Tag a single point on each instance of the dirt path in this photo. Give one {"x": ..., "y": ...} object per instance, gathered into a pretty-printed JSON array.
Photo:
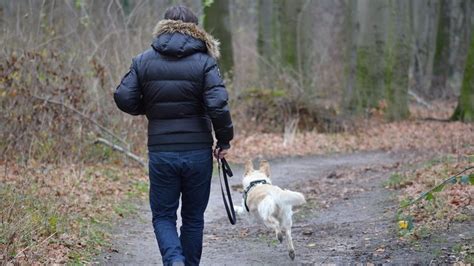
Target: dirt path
[{"x": 349, "y": 218}]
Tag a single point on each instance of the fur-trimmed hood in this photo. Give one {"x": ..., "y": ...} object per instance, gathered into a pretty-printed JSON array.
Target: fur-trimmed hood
[{"x": 177, "y": 26}]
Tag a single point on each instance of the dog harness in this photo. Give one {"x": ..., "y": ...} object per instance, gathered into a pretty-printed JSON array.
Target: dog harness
[{"x": 246, "y": 191}]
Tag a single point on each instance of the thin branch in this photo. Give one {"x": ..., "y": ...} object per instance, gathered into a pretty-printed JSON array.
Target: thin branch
[
  {"x": 64, "y": 36},
  {"x": 121, "y": 149},
  {"x": 83, "y": 115},
  {"x": 30, "y": 246},
  {"x": 418, "y": 99}
]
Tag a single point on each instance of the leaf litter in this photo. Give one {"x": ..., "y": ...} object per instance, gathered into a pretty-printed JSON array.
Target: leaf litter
[{"x": 67, "y": 199}]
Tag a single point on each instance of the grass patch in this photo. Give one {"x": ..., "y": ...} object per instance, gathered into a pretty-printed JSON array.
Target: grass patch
[
  {"x": 125, "y": 208},
  {"x": 469, "y": 259},
  {"x": 139, "y": 188},
  {"x": 397, "y": 181},
  {"x": 304, "y": 211},
  {"x": 462, "y": 217},
  {"x": 439, "y": 160}
]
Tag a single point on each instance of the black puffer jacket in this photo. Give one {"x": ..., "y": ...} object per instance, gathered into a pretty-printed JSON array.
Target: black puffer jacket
[{"x": 177, "y": 85}]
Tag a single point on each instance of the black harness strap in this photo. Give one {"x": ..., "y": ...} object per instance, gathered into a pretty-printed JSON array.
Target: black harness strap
[
  {"x": 226, "y": 171},
  {"x": 251, "y": 185}
]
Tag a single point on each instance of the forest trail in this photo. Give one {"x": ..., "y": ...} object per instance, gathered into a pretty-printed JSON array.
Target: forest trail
[{"x": 350, "y": 217}]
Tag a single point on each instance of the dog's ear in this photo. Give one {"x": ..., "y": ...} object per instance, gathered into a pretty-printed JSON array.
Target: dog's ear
[
  {"x": 248, "y": 167},
  {"x": 265, "y": 167}
]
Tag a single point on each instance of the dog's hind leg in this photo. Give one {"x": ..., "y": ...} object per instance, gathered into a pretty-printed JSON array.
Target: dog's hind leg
[
  {"x": 279, "y": 235},
  {"x": 287, "y": 223},
  {"x": 291, "y": 248},
  {"x": 266, "y": 209},
  {"x": 273, "y": 223}
]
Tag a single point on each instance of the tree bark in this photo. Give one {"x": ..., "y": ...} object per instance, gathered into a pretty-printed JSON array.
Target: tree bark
[
  {"x": 217, "y": 23},
  {"x": 281, "y": 34},
  {"x": 440, "y": 67},
  {"x": 424, "y": 22},
  {"x": 289, "y": 12},
  {"x": 397, "y": 60},
  {"x": 465, "y": 109},
  {"x": 381, "y": 58},
  {"x": 451, "y": 47},
  {"x": 268, "y": 44},
  {"x": 367, "y": 88}
]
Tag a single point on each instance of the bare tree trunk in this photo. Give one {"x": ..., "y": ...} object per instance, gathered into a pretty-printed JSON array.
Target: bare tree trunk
[
  {"x": 451, "y": 46},
  {"x": 244, "y": 21},
  {"x": 424, "y": 21},
  {"x": 397, "y": 60},
  {"x": 465, "y": 109},
  {"x": 326, "y": 29},
  {"x": 440, "y": 68},
  {"x": 217, "y": 22},
  {"x": 289, "y": 12},
  {"x": 367, "y": 88},
  {"x": 268, "y": 44},
  {"x": 280, "y": 37},
  {"x": 461, "y": 25},
  {"x": 380, "y": 58},
  {"x": 351, "y": 55}
]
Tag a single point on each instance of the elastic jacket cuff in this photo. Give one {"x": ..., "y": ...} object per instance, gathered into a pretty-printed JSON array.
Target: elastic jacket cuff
[{"x": 223, "y": 146}]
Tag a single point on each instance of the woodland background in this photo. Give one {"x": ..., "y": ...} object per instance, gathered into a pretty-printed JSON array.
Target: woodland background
[
  {"x": 290, "y": 65},
  {"x": 304, "y": 77}
]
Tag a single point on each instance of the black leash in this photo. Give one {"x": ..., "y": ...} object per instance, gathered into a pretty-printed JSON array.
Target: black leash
[{"x": 226, "y": 171}]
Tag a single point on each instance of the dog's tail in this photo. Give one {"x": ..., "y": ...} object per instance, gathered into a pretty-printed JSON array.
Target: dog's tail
[{"x": 292, "y": 198}]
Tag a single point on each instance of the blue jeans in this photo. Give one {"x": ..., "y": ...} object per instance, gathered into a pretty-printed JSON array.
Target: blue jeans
[{"x": 185, "y": 173}]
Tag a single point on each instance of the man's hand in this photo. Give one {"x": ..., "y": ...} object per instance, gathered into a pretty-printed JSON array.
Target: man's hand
[{"x": 220, "y": 153}]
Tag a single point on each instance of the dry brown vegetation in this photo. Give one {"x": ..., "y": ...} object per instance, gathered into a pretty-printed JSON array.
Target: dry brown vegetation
[
  {"x": 65, "y": 210},
  {"x": 60, "y": 62},
  {"x": 452, "y": 204},
  {"x": 61, "y": 213},
  {"x": 415, "y": 134}
]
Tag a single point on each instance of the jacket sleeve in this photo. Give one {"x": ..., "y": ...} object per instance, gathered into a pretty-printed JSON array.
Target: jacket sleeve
[
  {"x": 128, "y": 95},
  {"x": 215, "y": 101}
]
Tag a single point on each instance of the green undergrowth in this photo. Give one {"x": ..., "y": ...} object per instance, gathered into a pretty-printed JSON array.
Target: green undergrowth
[{"x": 397, "y": 181}]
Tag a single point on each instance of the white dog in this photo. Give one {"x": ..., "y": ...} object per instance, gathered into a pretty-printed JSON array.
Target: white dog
[{"x": 268, "y": 203}]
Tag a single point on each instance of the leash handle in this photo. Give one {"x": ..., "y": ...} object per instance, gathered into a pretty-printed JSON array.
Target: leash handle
[{"x": 229, "y": 206}]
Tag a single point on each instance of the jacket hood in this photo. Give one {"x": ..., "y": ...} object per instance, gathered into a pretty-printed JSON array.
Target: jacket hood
[{"x": 168, "y": 42}]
